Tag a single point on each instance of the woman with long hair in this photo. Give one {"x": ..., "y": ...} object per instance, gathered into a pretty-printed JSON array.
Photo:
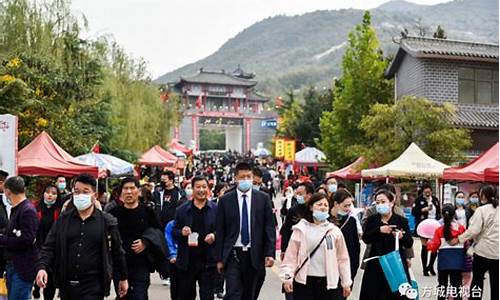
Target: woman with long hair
[
  {"x": 451, "y": 258},
  {"x": 48, "y": 210},
  {"x": 483, "y": 228},
  {"x": 341, "y": 205}
]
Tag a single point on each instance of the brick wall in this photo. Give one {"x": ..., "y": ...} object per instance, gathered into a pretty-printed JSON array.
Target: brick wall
[
  {"x": 437, "y": 80},
  {"x": 409, "y": 78}
]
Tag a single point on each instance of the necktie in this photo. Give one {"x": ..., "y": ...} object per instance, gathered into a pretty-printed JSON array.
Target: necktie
[{"x": 245, "y": 236}]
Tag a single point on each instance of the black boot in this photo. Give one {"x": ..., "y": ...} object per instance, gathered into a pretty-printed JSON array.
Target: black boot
[
  {"x": 423, "y": 257},
  {"x": 431, "y": 264}
]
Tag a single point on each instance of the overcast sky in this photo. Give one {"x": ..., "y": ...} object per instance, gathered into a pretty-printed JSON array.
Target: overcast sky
[{"x": 171, "y": 33}]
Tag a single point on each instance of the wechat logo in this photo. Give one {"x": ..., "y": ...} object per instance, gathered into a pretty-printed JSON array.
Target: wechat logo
[{"x": 405, "y": 289}]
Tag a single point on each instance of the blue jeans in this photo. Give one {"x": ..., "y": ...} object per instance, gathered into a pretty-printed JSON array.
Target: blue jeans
[{"x": 19, "y": 289}]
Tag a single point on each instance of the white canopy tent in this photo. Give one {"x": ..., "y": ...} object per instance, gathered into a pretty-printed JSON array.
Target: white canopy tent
[
  {"x": 309, "y": 155},
  {"x": 115, "y": 165},
  {"x": 412, "y": 163}
]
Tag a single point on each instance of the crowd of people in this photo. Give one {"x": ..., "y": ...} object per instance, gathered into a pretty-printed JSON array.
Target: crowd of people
[{"x": 212, "y": 232}]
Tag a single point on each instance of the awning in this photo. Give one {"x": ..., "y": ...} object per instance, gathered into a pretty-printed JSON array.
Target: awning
[
  {"x": 412, "y": 163},
  {"x": 475, "y": 170},
  {"x": 309, "y": 155},
  {"x": 157, "y": 156},
  {"x": 114, "y": 165},
  {"x": 350, "y": 172},
  {"x": 175, "y": 144},
  {"x": 43, "y": 157},
  {"x": 491, "y": 174}
]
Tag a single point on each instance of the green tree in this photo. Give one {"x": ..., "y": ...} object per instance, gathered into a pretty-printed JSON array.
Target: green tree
[
  {"x": 439, "y": 34},
  {"x": 390, "y": 129},
  {"x": 79, "y": 90},
  {"x": 299, "y": 118},
  {"x": 362, "y": 84},
  {"x": 307, "y": 124}
]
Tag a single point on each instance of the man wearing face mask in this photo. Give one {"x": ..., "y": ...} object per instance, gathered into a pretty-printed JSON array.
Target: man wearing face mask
[
  {"x": 62, "y": 187},
  {"x": 18, "y": 240},
  {"x": 83, "y": 248},
  {"x": 331, "y": 186},
  {"x": 302, "y": 194},
  {"x": 246, "y": 237}
]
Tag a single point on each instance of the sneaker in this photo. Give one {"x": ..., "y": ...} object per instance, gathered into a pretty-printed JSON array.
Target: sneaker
[
  {"x": 166, "y": 282},
  {"x": 219, "y": 295}
]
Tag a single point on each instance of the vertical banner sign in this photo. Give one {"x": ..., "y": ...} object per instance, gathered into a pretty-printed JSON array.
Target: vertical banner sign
[
  {"x": 279, "y": 145},
  {"x": 290, "y": 150},
  {"x": 8, "y": 144}
]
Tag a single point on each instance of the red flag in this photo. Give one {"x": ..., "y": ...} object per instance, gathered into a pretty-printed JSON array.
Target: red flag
[
  {"x": 164, "y": 97},
  {"x": 95, "y": 148},
  {"x": 198, "y": 102}
]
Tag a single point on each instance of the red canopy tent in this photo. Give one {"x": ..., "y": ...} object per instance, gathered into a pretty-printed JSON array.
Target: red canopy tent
[
  {"x": 350, "y": 172},
  {"x": 157, "y": 156},
  {"x": 475, "y": 170},
  {"x": 491, "y": 174},
  {"x": 176, "y": 145},
  {"x": 43, "y": 157}
]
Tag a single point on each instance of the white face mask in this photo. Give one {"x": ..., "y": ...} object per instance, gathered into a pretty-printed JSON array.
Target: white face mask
[{"x": 82, "y": 201}]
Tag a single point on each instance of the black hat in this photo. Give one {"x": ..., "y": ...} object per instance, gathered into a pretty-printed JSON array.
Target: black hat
[{"x": 3, "y": 174}]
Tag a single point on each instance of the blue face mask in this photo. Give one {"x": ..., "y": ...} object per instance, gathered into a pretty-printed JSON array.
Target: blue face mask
[
  {"x": 49, "y": 202},
  {"x": 256, "y": 187},
  {"x": 320, "y": 215},
  {"x": 460, "y": 201},
  {"x": 244, "y": 185},
  {"x": 6, "y": 201},
  {"x": 474, "y": 200},
  {"x": 300, "y": 199},
  {"x": 82, "y": 201},
  {"x": 383, "y": 208},
  {"x": 61, "y": 185},
  {"x": 342, "y": 213},
  {"x": 332, "y": 188}
]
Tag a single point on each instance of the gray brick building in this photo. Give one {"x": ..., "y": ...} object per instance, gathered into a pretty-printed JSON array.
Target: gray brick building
[{"x": 462, "y": 73}]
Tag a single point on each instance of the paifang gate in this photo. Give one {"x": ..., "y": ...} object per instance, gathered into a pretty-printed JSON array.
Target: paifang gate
[{"x": 225, "y": 102}]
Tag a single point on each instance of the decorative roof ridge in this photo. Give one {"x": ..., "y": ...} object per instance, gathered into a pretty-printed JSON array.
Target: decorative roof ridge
[{"x": 412, "y": 37}]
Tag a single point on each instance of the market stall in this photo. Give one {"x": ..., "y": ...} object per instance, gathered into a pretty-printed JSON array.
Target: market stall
[
  {"x": 43, "y": 157},
  {"x": 115, "y": 165},
  {"x": 476, "y": 170}
]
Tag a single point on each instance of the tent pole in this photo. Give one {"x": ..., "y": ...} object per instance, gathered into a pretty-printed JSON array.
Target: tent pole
[
  {"x": 438, "y": 188},
  {"x": 360, "y": 196}
]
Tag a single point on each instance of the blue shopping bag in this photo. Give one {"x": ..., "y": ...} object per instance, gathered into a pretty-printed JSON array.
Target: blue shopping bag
[{"x": 392, "y": 265}]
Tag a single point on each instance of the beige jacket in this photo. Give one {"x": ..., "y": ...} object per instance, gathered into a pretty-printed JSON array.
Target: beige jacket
[
  {"x": 483, "y": 228},
  {"x": 336, "y": 257}
]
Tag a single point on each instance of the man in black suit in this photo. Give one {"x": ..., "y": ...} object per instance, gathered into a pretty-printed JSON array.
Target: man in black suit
[{"x": 245, "y": 236}]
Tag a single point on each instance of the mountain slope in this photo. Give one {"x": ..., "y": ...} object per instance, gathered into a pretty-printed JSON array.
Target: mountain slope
[{"x": 295, "y": 51}]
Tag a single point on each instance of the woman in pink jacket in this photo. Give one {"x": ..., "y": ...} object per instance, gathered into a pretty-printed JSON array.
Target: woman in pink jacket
[{"x": 316, "y": 259}]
